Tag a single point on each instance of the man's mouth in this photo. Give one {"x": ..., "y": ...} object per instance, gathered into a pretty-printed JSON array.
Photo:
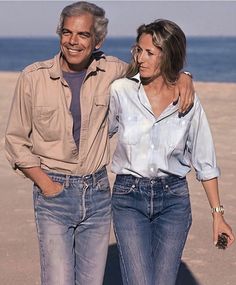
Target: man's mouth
[{"x": 74, "y": 51}]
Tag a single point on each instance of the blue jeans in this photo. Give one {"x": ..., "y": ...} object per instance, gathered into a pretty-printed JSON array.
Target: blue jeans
[
  {"x": 73, "y": 229},
  {"x": 152, "y": 218}
]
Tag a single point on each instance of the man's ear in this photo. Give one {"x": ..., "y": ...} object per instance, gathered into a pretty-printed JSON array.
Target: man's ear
[{"x": 98, "y": 45}]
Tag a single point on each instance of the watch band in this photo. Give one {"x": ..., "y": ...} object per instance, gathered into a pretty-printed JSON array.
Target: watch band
[{"x": 219, "y": 209}]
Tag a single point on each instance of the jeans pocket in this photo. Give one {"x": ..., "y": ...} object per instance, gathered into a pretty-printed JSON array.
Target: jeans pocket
[
  {"x": 103, "y": 184},
  {"x": 59, "y": 193},
  {"x": 122, "y": 189},
  {"x": 178, "y": 189}
]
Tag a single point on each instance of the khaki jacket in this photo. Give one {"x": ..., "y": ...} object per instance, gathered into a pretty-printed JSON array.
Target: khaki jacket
[{"x": 39, "y": 130}]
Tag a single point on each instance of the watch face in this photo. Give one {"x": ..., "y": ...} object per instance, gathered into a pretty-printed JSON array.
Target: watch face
[{"x": 219, "y": 209}]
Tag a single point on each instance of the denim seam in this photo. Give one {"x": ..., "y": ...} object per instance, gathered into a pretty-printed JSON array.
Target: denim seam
[
  {"x": 83, "y": 200},
  {"x": 183, "y": 242},
  {"x": 42, "y": 257},
  {"x": 121, "y": 255}
]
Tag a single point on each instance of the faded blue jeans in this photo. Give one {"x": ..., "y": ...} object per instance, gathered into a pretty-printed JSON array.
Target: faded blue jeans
[
  {"x": 73, "y": 230},
  {"x": 152, "y": 218}
]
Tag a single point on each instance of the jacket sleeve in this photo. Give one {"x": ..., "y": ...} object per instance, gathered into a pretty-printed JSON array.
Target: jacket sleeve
[
  {"x": 18, "y": 144},
  {"x": 113, "y": 118},
  {"x": 201, "y": 146},
  {"x": 122, "y": 69}
]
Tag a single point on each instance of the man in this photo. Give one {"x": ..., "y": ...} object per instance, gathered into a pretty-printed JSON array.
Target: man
[{"x": 57, "y": 135}]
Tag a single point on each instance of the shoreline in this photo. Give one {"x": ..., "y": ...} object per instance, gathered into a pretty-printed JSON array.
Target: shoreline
[{"x": 6, "y": 73}]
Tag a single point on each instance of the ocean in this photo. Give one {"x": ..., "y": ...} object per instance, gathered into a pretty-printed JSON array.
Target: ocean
[{"x": 208, "y": 58}]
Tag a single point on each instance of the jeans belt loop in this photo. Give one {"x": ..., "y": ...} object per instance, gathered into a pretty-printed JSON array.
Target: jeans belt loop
[
  {"x": 136, "y": 182},
  {"x": 67, "y": 182},
  {"x": 94, "y": 179},
  {"x": 164, "y": 182}
]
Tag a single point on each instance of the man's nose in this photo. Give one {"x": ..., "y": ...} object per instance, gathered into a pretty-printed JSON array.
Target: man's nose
[{"x": 73, "y": 39}]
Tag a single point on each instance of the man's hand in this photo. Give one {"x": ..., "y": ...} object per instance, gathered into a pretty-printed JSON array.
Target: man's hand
[
  {"x": 43, "y": 181},
  {"x": 52, "y": 190},
  {"x": 184, "y": 93}
]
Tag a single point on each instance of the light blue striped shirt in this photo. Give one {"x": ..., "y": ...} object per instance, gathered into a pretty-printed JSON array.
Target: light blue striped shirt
[{"x": 150, "y": 146}]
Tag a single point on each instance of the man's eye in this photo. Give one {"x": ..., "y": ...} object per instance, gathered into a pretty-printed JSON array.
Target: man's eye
[
  {"x": 85, "y": 35},
  {"x": 65, "y": 33},
  {"x": 150, "y": 53}
]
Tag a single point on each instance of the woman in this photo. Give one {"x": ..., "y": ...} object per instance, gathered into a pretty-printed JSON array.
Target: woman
[{"x": 155, "y": 150}]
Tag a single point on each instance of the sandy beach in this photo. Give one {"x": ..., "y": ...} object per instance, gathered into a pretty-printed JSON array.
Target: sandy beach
[{"x": 202, "y": 263}]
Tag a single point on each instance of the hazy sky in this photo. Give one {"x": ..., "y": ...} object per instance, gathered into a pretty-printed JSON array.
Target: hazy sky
[{"x": 39, "y": 18}]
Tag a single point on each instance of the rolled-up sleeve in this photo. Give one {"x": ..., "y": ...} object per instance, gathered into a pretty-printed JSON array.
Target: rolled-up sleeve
[
  {"x": 18, "y": 144},
  {"x": 201, "y": 146}
]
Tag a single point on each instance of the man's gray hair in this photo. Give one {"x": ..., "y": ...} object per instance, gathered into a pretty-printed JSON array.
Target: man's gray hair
[{"x": 80, "y": 8}]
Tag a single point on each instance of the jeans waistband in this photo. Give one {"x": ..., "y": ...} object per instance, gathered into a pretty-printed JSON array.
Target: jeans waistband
[
  {"x": 168, "y": 179},
  {"x": 89, "y": 179}
]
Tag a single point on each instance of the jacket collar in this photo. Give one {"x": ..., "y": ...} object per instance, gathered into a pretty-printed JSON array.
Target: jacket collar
[{"x": 97, "y": 64}]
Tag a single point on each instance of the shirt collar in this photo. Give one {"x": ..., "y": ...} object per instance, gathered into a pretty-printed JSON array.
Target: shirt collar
[
  {"x": 145, "y": 102},
  {"x": 96, "y": 65}
]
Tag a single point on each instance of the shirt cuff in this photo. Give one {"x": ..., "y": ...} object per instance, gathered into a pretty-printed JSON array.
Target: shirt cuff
[{"x": 208, "y": 174}]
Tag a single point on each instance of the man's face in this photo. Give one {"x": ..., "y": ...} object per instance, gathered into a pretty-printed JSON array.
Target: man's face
[{"x": 77, "y": 42}]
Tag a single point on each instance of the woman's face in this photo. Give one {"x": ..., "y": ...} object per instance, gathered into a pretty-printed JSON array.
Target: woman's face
[{"x": 148, "y": 56}]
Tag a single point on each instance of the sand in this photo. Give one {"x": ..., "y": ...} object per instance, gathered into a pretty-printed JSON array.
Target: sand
[{"x": 202, "y": 263}]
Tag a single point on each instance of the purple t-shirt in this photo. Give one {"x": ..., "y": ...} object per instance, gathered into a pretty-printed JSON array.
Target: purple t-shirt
[{"x": 75, "y": 80}]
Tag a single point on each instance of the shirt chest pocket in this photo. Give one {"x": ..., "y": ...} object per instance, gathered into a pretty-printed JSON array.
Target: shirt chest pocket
[
  {"x": 172, "y": 133},
  {"x": 46, "y": 123},
  {"x": 130, "y": 129}
]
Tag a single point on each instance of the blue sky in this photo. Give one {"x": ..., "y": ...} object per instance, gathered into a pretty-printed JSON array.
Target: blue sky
[{"x": 204, "y": 18}]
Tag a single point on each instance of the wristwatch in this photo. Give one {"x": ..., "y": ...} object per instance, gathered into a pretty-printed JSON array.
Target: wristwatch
[{"x": 219, "y": 209}]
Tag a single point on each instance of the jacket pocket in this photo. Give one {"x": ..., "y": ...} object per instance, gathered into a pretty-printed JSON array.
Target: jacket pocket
[
  {"x": 100, "y": 111},
  {"x": 47, "y": 123}
]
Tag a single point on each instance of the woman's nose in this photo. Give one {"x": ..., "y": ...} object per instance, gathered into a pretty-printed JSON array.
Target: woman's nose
[{"x": 140, "y": 57}]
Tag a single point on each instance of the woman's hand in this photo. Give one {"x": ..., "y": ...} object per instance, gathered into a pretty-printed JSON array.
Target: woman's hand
[
  {"x": 219, "y": 227},
  {"x": 184, "y": 93}
]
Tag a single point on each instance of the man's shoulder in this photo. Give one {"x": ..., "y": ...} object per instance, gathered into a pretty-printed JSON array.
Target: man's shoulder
[
  {"x": 108, "y": 60},
  {"x": 113, "y": 59},
  {"x": 39, "y": 65}
]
